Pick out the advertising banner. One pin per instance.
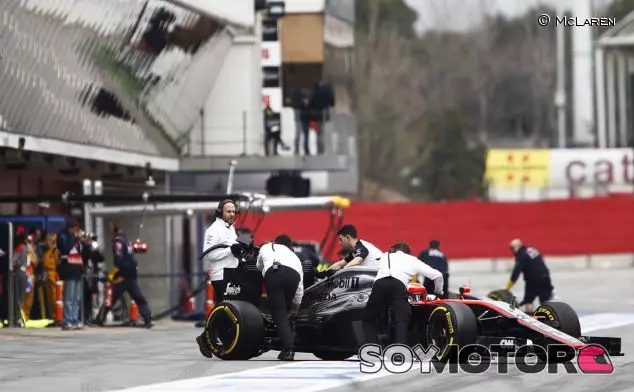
(518, 168)
(559, 168)
(581, 167)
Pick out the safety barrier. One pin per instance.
(473, 229)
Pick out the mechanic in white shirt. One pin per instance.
(362, 253)
(221, 232)
(283, 280)
(396, 269)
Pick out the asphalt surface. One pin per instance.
(103, 359)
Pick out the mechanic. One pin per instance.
(530, 262)
(222, 232)
(282, 272)
(396, 269)
(127, 268)
(436, 259)
(362, 253)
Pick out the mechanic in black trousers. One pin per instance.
(529, 261)
(436, 259)
(282, 271)
(396, 269)
(127, 268)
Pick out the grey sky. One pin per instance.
(461, 14)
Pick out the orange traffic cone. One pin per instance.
(134, 311)
(59, 303)
(210, 303)
(190, 305)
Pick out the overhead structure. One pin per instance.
(249, 202)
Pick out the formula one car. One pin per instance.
(329, 323)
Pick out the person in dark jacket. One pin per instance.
(436, 259)
(320, 102)
(126, 267)
(70, 271)
(272, 132)
(529, 261)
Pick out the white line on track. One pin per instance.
(314, 376)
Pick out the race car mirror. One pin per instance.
(417, 293)
(465, 291)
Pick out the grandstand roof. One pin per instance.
(61, 85)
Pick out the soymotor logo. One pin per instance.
(476, 359)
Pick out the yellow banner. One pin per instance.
(518, 168)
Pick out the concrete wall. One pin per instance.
(232, 113)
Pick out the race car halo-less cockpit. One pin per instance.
(329, 324)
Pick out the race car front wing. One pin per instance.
(610, 344)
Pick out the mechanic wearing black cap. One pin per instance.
(436, 259)
(282, 272)
(530, 262)
(396, 269)
(221, 232)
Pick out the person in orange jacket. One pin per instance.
(51, 261)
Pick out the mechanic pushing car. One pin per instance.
(362, 253)
(396, 269)
(222, 232)
(530, 262)
(126, 268)
(436, 259)
(282, 272)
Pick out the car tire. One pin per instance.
(234, 331)
(502, 295)
(455, 320)
(333, 355)
(560, 316)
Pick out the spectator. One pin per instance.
(30, 283)
(321, 100)
(302, 119)
(20, 261)
(272, 132)
(50, 263)
(70, 271)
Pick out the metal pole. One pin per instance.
(232, 168)
(244, 133)
(560, 95)
(87, 217)
(600, 97)
(11, 296)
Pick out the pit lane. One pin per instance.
(117, 358)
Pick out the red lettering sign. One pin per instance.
(601, 171)
(265, 53)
